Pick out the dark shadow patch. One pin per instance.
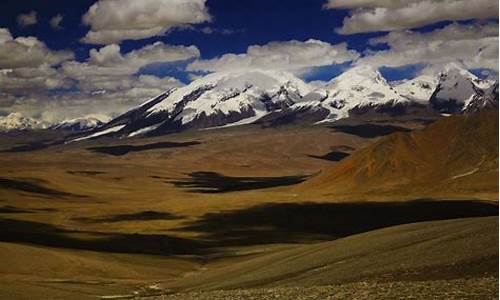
(159, 177)
(291, 223)
(28, 147)
(88, 173)
(212, 182)
(369, 130)
(125, 149)
(34, 146)
(32, 187)
(332, 156)
(140, 216)
(18, 231)
(14, 210)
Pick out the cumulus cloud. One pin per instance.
(27, 19)
(112, 21)
(23, 52)
(474, 46)
(290, 55)
(107, 82)
(5, 35)
(52, 108)
(27, 65)
(55, 22)
(30, 80)
(108, 69)
(387, 15)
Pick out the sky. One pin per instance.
(64, 59)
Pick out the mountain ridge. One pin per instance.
(276, 98)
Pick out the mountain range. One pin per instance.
(276, 97)
(17, 121)
(273, 98)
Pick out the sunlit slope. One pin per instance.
(35, 272)
(455, 157)
(438, 250)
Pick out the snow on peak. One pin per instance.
(231, 92)
(360, 86)
(418, 89)
(17, 121)
(83, 123)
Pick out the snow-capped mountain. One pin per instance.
(359, 90)
(16, 121)
(272, 98)
(81, 124)
(418, 89)
(459, 90)
(219, 99)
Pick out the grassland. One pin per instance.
(224, 209)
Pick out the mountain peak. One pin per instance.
(17, 121)
(359, 73)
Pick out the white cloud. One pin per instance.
(5, 35)
(31, 80)
(27, 65)
(55, 22)
(109, 69)
(57, 107)
(25, 52)
(475, 46)
(158, 52)
(112, 21)
(106, 83)
(27, 19)
(290, 56)
(386, 15)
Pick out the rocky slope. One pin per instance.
(455, 154)
(80, 124)
(276, 98)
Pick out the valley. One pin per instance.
(220, 208)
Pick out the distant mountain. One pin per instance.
(359, 90)
(456, 155)
(80, 124)
(458, 90)
(418, 89)
(16, 121)
(272, 98)
(217, 99)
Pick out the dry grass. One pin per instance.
(103, 224)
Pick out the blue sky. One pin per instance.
(175, 41)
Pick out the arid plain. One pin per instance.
(292, 212)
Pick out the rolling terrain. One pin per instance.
(256, 210)
(456, 156)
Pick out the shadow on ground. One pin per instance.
(15, 210)
(147, 215)
(28, 147)
(259, 225)
(332, 156)
(120, 150)
(87, 173)
(19, 231)
(285, 223)
(212, 182)
(369, 130)
(24, 185)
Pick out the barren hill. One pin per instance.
(456, 156)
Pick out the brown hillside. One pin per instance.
(454, 157)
